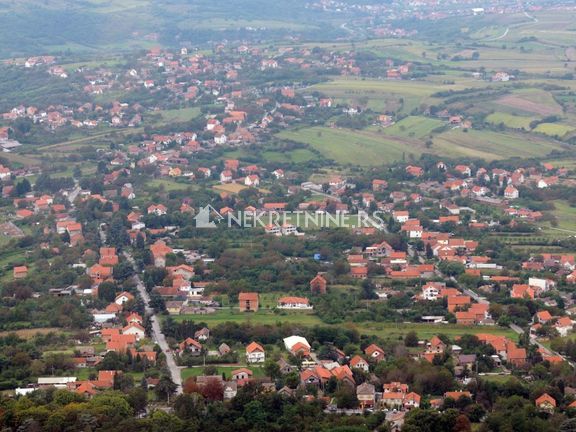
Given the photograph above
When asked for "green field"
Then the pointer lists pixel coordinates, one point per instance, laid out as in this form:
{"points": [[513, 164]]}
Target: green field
{"points": [[491, 145], [178, 115], [257, 371], [554, 129], [220, 24], [169, 185], [347, 146], [566, 216], [413, 127], [296, 156], [375, 146], [510, 120], [384, 330], [260, 317]]}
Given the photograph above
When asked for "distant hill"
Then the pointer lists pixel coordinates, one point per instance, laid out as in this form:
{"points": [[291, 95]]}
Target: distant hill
{"points": [[52, 26]]}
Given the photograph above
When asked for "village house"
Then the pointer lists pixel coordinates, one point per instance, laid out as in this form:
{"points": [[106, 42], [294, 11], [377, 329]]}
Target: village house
{"points": [[318, 284], [293, 303], [255, 353], [248, 301]]}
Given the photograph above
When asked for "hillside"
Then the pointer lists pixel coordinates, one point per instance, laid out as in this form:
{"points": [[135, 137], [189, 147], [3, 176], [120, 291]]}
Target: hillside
{"points": [[38, 27]]}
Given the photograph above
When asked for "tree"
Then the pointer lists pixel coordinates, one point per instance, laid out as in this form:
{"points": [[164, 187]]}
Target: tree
{"points": [[165, 388], [138, 400], [107, 291], [213, 390], [22, 188], [346, 397], [272, 369], [188, 406], [117, 235], [462, 424], [411, 339], [123, 271]]}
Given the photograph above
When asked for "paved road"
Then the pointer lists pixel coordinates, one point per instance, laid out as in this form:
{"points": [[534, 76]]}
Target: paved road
{"points": [[478, 298], [157, 334], [72, 195], [534, 341]]}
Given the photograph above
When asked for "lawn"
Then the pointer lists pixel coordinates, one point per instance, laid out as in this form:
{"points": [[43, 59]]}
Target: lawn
{"points": [[226, 370], [178, 115], [260, 317], [426, 331], [385, 330], [169, 185]]}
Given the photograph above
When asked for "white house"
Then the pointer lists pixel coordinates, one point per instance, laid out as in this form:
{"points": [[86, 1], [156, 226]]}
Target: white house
{"points": [[123, 297], [220, 139], [564, 325], [252, 180], [226, 176], [511, 192], [430, 292], [400, 216], [135, 329], [290, 341], [542, 284], [255, 353], [294, 303], [288, 229]]}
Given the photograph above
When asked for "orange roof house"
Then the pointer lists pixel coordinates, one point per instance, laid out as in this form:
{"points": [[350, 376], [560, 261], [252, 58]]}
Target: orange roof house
{"points": [[520, 291], [20, 272], [359, 363], [300, 349], [255, 353], [120, 343], [248, 301], [374, 352], [459, 301], [98, 271], [318, 284], [457, 394], [159, 251], [545, 403]]}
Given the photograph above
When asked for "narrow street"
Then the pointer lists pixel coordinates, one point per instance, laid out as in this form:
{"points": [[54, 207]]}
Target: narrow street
{"points": [[534, 341], [157, 334]]}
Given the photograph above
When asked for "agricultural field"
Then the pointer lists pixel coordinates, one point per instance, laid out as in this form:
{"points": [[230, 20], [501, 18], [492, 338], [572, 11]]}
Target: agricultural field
{"points": [[231, 188], [532, 102], [413, 127], [294, 156], [510, 120], [566, 216], [347, 146], [554, 129], [493, 145], [30, 333]]}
